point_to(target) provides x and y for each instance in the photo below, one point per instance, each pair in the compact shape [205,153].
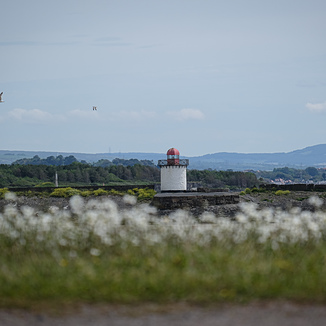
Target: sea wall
[92,187]
[295,187]
[186,200]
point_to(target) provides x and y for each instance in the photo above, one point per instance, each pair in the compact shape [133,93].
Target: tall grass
[96,252]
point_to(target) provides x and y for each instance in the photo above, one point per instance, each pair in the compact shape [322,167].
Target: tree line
[107,172]
[220,179]
[311,174]
[76,173]
[60,160]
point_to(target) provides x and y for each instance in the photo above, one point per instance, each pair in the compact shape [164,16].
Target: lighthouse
[173,172]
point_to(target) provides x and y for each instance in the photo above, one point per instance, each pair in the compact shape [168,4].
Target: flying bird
[1,97]
[94,108]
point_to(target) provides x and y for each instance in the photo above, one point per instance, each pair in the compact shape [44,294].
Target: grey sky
[203,76]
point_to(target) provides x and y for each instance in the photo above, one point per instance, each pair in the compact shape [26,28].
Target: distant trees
[60,160]
[34,171]
[312,171]
[75,173]
[51,160]
[295,175]
[220,179]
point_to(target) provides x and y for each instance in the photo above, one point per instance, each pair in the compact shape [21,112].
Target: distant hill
[300,159]
[309,156]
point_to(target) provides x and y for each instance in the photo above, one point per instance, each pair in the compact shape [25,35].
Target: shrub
[115,192]
[132,191]
[282,192]
[86,193]
[100,192]
[145,193]
[2,192]
[64,192]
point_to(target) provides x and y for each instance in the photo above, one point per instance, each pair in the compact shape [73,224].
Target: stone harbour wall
[184,200]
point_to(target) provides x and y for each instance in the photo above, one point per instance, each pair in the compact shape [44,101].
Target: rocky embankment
[305,200]
[43,204]
[262,200]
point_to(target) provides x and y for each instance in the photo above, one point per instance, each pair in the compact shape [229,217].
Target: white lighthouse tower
[173,172]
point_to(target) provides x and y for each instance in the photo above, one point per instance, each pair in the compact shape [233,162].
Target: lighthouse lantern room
[173,172]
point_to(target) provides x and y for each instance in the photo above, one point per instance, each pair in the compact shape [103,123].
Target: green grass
[168,274]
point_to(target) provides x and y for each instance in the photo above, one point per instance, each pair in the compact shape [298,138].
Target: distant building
[173,172]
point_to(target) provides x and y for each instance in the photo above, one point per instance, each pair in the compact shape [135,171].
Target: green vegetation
[60,160]
[101,254]
[252,190]
[3,191]
[311,174]
[143,194]
[64,192]
[223,179]
[78,174]
[282,192]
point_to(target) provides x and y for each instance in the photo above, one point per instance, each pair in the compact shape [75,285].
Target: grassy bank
[96,253]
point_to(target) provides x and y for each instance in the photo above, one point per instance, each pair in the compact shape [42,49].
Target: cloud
[34,115]
[317,107]
[187,114]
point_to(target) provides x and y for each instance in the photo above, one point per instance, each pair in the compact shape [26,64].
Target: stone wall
[295,187]
[94,187]
[166,201]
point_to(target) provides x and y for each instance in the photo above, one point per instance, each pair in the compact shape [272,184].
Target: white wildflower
[207,217]
[10,196]
[76,204]
[63,242]
[315,201]
[95,252]
[128,199]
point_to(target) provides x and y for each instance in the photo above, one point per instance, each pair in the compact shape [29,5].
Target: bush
[132,192]
[144,193]
[86,193]
[100,192]
[115,192]
[2,192]
[282,192]
[64,192]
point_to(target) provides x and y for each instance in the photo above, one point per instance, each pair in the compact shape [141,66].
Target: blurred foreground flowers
[99,223]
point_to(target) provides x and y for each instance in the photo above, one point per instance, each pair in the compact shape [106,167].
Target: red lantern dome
[173,156]
[173,151]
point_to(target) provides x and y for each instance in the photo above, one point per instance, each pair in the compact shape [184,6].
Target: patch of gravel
[252,314]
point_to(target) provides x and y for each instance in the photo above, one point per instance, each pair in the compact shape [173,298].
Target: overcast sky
[203,76]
